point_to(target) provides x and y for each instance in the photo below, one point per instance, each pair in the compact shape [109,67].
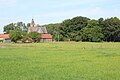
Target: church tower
[34,28]
[32,23]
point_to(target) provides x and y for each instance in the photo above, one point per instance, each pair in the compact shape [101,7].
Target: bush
[35,36]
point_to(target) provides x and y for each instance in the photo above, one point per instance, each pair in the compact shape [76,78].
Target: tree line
[78,29]
[85,29]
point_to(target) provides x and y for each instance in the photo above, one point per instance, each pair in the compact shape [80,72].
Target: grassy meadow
[60,61]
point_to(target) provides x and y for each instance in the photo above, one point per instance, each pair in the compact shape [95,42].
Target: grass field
[60,61]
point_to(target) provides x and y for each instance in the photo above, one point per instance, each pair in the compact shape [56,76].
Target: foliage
[78,38]
[9,27]
[1,40]
[73,26]
[111,29]
[15,26]
[25,36]
[92,34]
[16,35]
[35,36]
[54,30]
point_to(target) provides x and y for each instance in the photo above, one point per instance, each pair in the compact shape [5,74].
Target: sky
[55,11]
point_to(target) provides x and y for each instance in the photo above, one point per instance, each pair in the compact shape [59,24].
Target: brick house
[4,38]
[46,38]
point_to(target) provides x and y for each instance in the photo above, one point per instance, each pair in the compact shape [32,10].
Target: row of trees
[78,29]
[85,29]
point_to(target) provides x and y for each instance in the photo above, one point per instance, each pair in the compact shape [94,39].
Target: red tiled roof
[4,36]
[48,36]
[30,39]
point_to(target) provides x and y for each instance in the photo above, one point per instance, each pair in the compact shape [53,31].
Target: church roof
[35,28]
[41,30]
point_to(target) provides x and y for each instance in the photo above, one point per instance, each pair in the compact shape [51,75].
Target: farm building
[46,38]
[4,38]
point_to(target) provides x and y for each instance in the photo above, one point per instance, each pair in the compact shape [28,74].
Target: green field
[60,61]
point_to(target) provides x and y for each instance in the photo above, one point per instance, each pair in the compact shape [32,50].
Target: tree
[21,26]
[111,29]
[24,36]
[79,22]
[35,36]
[15,26]
[9,27]
[16,35]
[92,23]
[73,26]
[54,30]
[78,38]
[92,32]
[101,22]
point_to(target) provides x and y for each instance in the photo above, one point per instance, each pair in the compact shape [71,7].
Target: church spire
[32,23]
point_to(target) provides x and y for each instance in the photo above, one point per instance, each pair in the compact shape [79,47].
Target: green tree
[78,38]
[73,26]
[111,29]
[92,23]
[92,32]
[21,26]
[101,22]
[15,26]
[35,36]
[54,30]
[9,27]
[24,36]
[16,35]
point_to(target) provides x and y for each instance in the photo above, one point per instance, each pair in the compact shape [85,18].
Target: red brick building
[46,38]
[5,37]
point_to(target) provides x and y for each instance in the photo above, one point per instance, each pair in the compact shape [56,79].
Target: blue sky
[54,11]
